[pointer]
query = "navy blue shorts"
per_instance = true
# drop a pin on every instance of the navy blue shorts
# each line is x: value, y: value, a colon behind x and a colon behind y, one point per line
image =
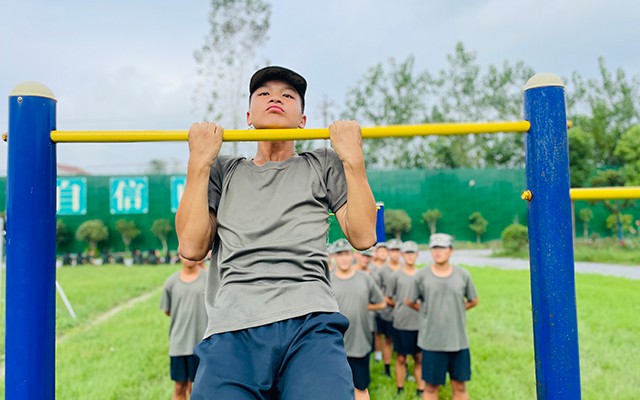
x: 183, y: 368
x: 436, y: 364
x: 387, y: 329
x: 299, y: 358
x: 406, y: 342
x: 360, y: 372
x: 378, y: 324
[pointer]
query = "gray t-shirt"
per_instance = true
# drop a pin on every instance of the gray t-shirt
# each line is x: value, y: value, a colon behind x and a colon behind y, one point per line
x: 404, y: 317
x: 354, y: 295
x: 443, y: 312
x: 184, y: 301
x: 269, y: 260
x: 374, y: 272
x: 385, y: 277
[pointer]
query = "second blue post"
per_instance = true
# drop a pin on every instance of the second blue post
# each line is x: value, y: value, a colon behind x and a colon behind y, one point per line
x: 553, y: 293
x: 380, y: 233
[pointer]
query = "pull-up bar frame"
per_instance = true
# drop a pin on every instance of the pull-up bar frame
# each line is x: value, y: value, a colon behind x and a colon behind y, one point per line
x: 31, y: 220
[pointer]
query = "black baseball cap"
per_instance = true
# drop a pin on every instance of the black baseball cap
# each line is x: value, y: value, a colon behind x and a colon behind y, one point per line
x: 274, y: 73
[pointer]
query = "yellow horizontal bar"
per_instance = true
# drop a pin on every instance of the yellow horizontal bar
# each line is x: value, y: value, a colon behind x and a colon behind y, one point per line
x: 605, y: 193
x: 293, y: 134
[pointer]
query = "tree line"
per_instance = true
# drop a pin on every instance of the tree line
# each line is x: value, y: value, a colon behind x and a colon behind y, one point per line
x: 604, y: 110
x: 94, y: 232
x: 604, y: 140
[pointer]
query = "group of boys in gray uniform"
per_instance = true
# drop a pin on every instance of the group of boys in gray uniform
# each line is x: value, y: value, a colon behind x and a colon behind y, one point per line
x: 357, y: 295
x: 421, y: 311
x: 421, y: 314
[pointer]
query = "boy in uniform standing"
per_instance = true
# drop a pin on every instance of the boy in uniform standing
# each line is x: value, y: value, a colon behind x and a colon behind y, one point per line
x: 357, y: 295
x: 386, y: 315
x: 406, y: 319
x: 443, y: 293
x: 379, y: 261
x: 183, y: 301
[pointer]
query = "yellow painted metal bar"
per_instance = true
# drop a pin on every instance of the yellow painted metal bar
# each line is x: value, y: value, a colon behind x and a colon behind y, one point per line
x: 294, y: 134
x: 605, y: 193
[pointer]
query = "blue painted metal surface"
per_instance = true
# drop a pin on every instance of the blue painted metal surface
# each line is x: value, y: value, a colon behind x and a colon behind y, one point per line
x: 380, y: 234
x: 551, y: 246
x: 31, y: 250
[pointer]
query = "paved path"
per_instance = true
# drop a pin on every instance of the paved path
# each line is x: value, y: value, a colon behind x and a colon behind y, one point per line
x: 482, y: 258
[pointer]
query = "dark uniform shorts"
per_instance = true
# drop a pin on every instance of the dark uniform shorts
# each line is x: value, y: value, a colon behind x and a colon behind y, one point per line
x: 298, y: 358
x: 406, y: 342
x: 183, y: 368
x: 378, y: 324
x: 436, y: 364
x: 387, y: 329
x: 360, y: 372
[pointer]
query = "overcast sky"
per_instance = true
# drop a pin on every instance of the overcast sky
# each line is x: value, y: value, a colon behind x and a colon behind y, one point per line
x: 129, y: 65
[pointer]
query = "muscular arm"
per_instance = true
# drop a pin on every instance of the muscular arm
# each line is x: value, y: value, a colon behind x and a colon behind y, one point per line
x: 195, y: 222
x: 357, y: 217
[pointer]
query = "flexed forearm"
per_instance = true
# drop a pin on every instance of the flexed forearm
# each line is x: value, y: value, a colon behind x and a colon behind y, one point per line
x: 357, y: 217
x: 195, y: 223
x: 360, y: 210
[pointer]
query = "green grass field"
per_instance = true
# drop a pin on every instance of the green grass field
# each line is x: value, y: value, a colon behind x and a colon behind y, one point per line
x: 125, y: 357
x: 94, y: 290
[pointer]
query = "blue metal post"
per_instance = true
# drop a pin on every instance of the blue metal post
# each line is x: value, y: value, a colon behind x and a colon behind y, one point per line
x: 553, y: 295
x: 31, y: 244
x: 380, y: 234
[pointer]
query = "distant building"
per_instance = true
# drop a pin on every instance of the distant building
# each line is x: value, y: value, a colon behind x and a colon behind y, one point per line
x: 70, y: 170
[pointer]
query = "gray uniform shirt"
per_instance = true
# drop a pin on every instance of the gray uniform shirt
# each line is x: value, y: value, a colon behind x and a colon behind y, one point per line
x: 374, y: 272
x: 354, y: 295
x: 404, y: 317
x: 184, y: 301
x: 385, y: 276
x: 443, y: 312
x: 269, y: 260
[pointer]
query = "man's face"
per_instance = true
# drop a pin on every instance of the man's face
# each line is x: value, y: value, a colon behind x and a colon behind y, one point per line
x: 410, y: 258
x: 394, y: 255
x: 275, y: 105
x: 441, y: 255
x: 382, y: 253
x: 344, y: 260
